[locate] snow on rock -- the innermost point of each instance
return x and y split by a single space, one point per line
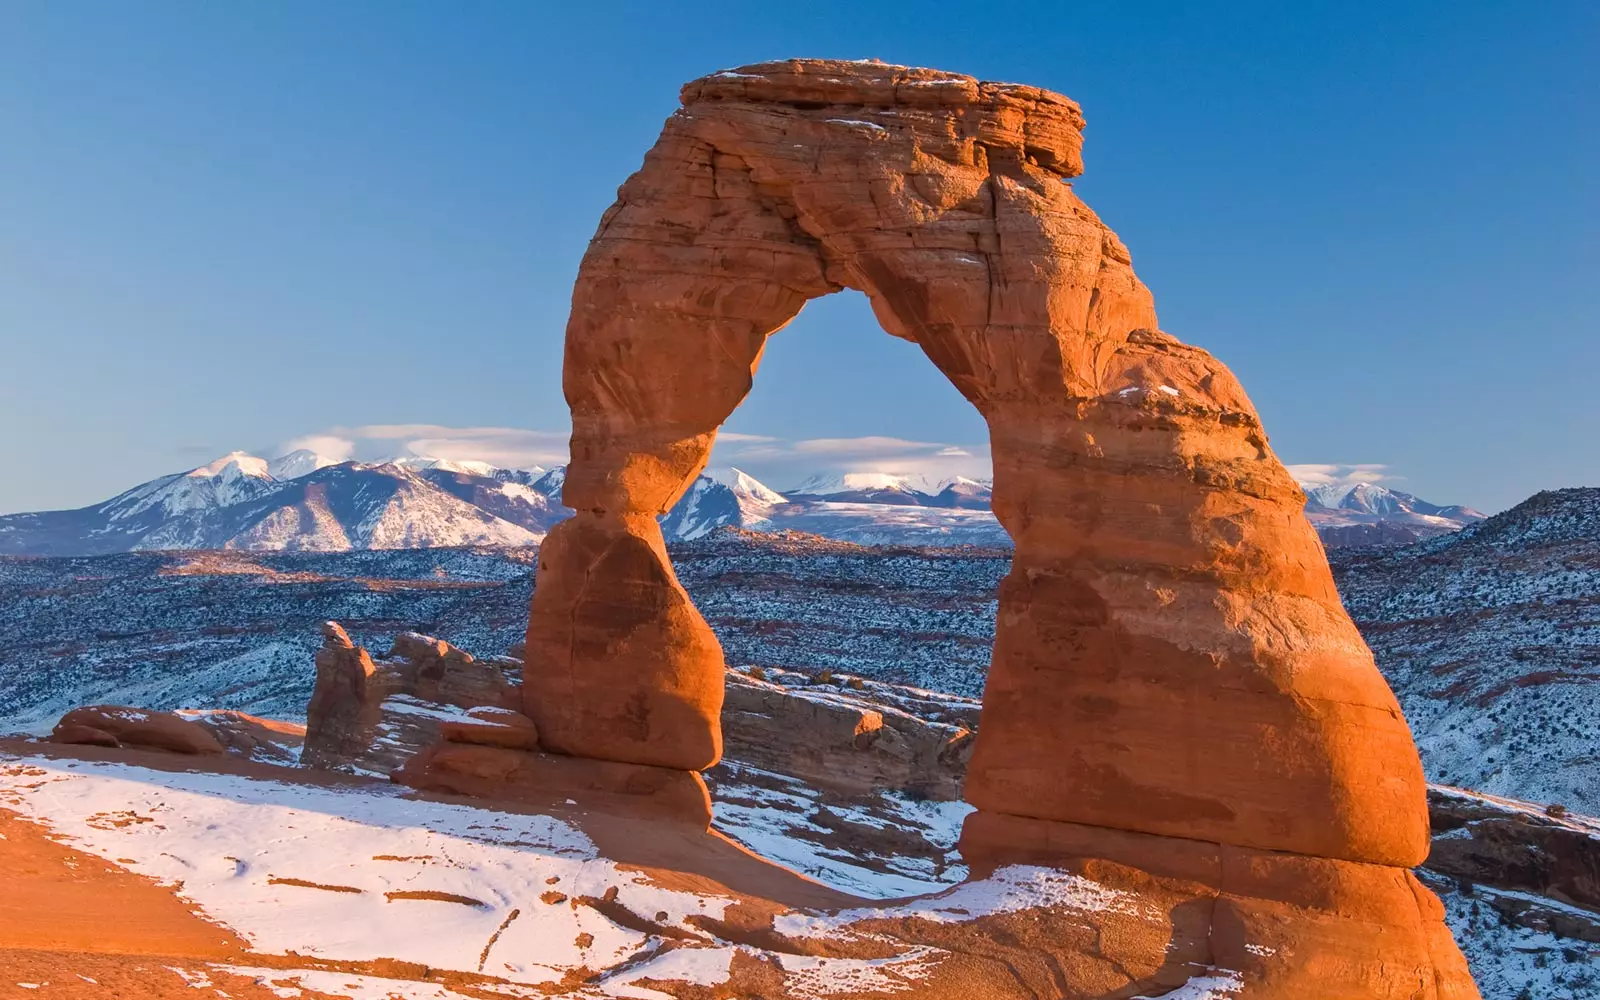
1009 889
294 982
233 478
361 873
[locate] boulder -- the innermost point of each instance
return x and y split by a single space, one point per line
80 735
114 725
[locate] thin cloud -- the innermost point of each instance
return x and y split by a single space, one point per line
779 462
507 447
334 446
785 463
1340 475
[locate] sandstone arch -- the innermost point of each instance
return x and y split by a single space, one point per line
1171 656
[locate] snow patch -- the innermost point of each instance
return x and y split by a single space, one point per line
857 122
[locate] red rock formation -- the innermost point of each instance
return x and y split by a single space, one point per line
269 741
1172 661
371 715
345 703
115 725
1171 654
841 743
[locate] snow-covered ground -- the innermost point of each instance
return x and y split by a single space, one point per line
364 873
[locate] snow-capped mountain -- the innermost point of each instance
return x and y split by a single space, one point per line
304 501
898 490
721 497
299 502
301 462
1369 514
868 508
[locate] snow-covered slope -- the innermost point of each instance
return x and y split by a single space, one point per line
1491 638
301 462
721 498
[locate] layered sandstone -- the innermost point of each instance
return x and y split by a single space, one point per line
1171 654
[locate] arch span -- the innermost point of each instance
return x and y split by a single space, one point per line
1171 655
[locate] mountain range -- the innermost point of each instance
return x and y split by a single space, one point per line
1367 514
305 502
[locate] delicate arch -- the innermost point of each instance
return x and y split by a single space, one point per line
1171 656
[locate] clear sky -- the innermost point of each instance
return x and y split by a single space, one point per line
238 225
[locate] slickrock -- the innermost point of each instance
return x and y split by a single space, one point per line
441 673
1481 840
115 725
1171 654
1293 927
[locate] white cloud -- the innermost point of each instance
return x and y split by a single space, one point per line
781 463
1340 475
334 446
508 447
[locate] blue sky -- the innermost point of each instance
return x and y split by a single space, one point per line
235 226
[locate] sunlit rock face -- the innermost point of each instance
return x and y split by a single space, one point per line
1171 656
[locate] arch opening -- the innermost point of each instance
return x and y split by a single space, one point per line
834 395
